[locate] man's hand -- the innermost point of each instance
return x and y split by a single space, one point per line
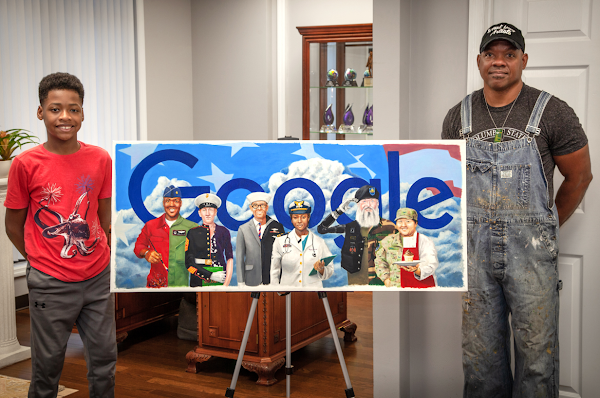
152 257
416 269
345 206
320 266
218 276
387 282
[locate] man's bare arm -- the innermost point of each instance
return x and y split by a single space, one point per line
576 167
15 228
104 215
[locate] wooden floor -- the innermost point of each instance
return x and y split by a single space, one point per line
152 363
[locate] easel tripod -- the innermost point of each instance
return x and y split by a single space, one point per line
288 343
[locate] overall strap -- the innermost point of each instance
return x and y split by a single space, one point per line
536 114
466 111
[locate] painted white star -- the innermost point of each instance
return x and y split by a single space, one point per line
360 165
236 146
308 151
121 229
139 152
217 178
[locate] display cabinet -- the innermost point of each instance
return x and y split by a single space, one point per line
338 47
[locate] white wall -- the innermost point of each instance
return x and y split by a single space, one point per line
438 81
313 13
233 66
168 40
420 71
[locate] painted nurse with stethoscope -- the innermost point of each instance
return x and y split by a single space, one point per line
296 260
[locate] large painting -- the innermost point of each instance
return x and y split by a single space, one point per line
289 216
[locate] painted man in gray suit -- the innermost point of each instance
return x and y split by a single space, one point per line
254 243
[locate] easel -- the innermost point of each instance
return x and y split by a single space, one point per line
288 343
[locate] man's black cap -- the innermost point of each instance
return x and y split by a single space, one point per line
503 31
367 192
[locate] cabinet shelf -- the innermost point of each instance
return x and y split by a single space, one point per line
336 132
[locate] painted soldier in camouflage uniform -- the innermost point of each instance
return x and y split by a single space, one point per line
407 259
364 233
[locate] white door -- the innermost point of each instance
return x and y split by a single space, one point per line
563 42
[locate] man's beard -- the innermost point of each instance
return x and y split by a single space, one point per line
367 219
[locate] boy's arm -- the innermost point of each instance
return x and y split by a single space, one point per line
15 228
104 216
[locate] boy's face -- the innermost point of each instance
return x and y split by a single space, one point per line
62 114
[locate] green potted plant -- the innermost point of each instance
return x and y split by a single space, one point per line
10 140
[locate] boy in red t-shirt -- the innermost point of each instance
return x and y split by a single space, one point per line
57 216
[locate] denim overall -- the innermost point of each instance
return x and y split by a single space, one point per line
512 245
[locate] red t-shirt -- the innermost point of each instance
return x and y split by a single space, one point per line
63 236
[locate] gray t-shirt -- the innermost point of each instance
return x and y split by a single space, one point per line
561 133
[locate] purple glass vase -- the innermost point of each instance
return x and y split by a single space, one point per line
348 116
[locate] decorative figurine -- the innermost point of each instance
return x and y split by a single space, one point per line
332 76
368 75
367 126
350 76
370 62
347 126
367 80
328 126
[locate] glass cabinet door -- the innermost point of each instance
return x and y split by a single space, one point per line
337 107
343 97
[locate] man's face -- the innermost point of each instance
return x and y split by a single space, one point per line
62 114
501 65
406 227
172 207
368 205
300 221
208 215
259 209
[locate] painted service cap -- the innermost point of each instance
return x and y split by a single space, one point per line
299 207
408 213
367 192
503 31
258 196
172 192
207 200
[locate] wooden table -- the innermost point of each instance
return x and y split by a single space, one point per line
222 318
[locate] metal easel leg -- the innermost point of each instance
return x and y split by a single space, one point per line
231 390
349 390
288 344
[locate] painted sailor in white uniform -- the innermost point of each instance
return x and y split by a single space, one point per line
296 260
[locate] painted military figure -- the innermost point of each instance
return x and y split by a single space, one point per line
408 258
298 257
205 246
254 243
161 243
366 232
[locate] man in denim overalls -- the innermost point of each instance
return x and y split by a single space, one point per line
515 136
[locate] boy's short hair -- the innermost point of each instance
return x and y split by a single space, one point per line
60 81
